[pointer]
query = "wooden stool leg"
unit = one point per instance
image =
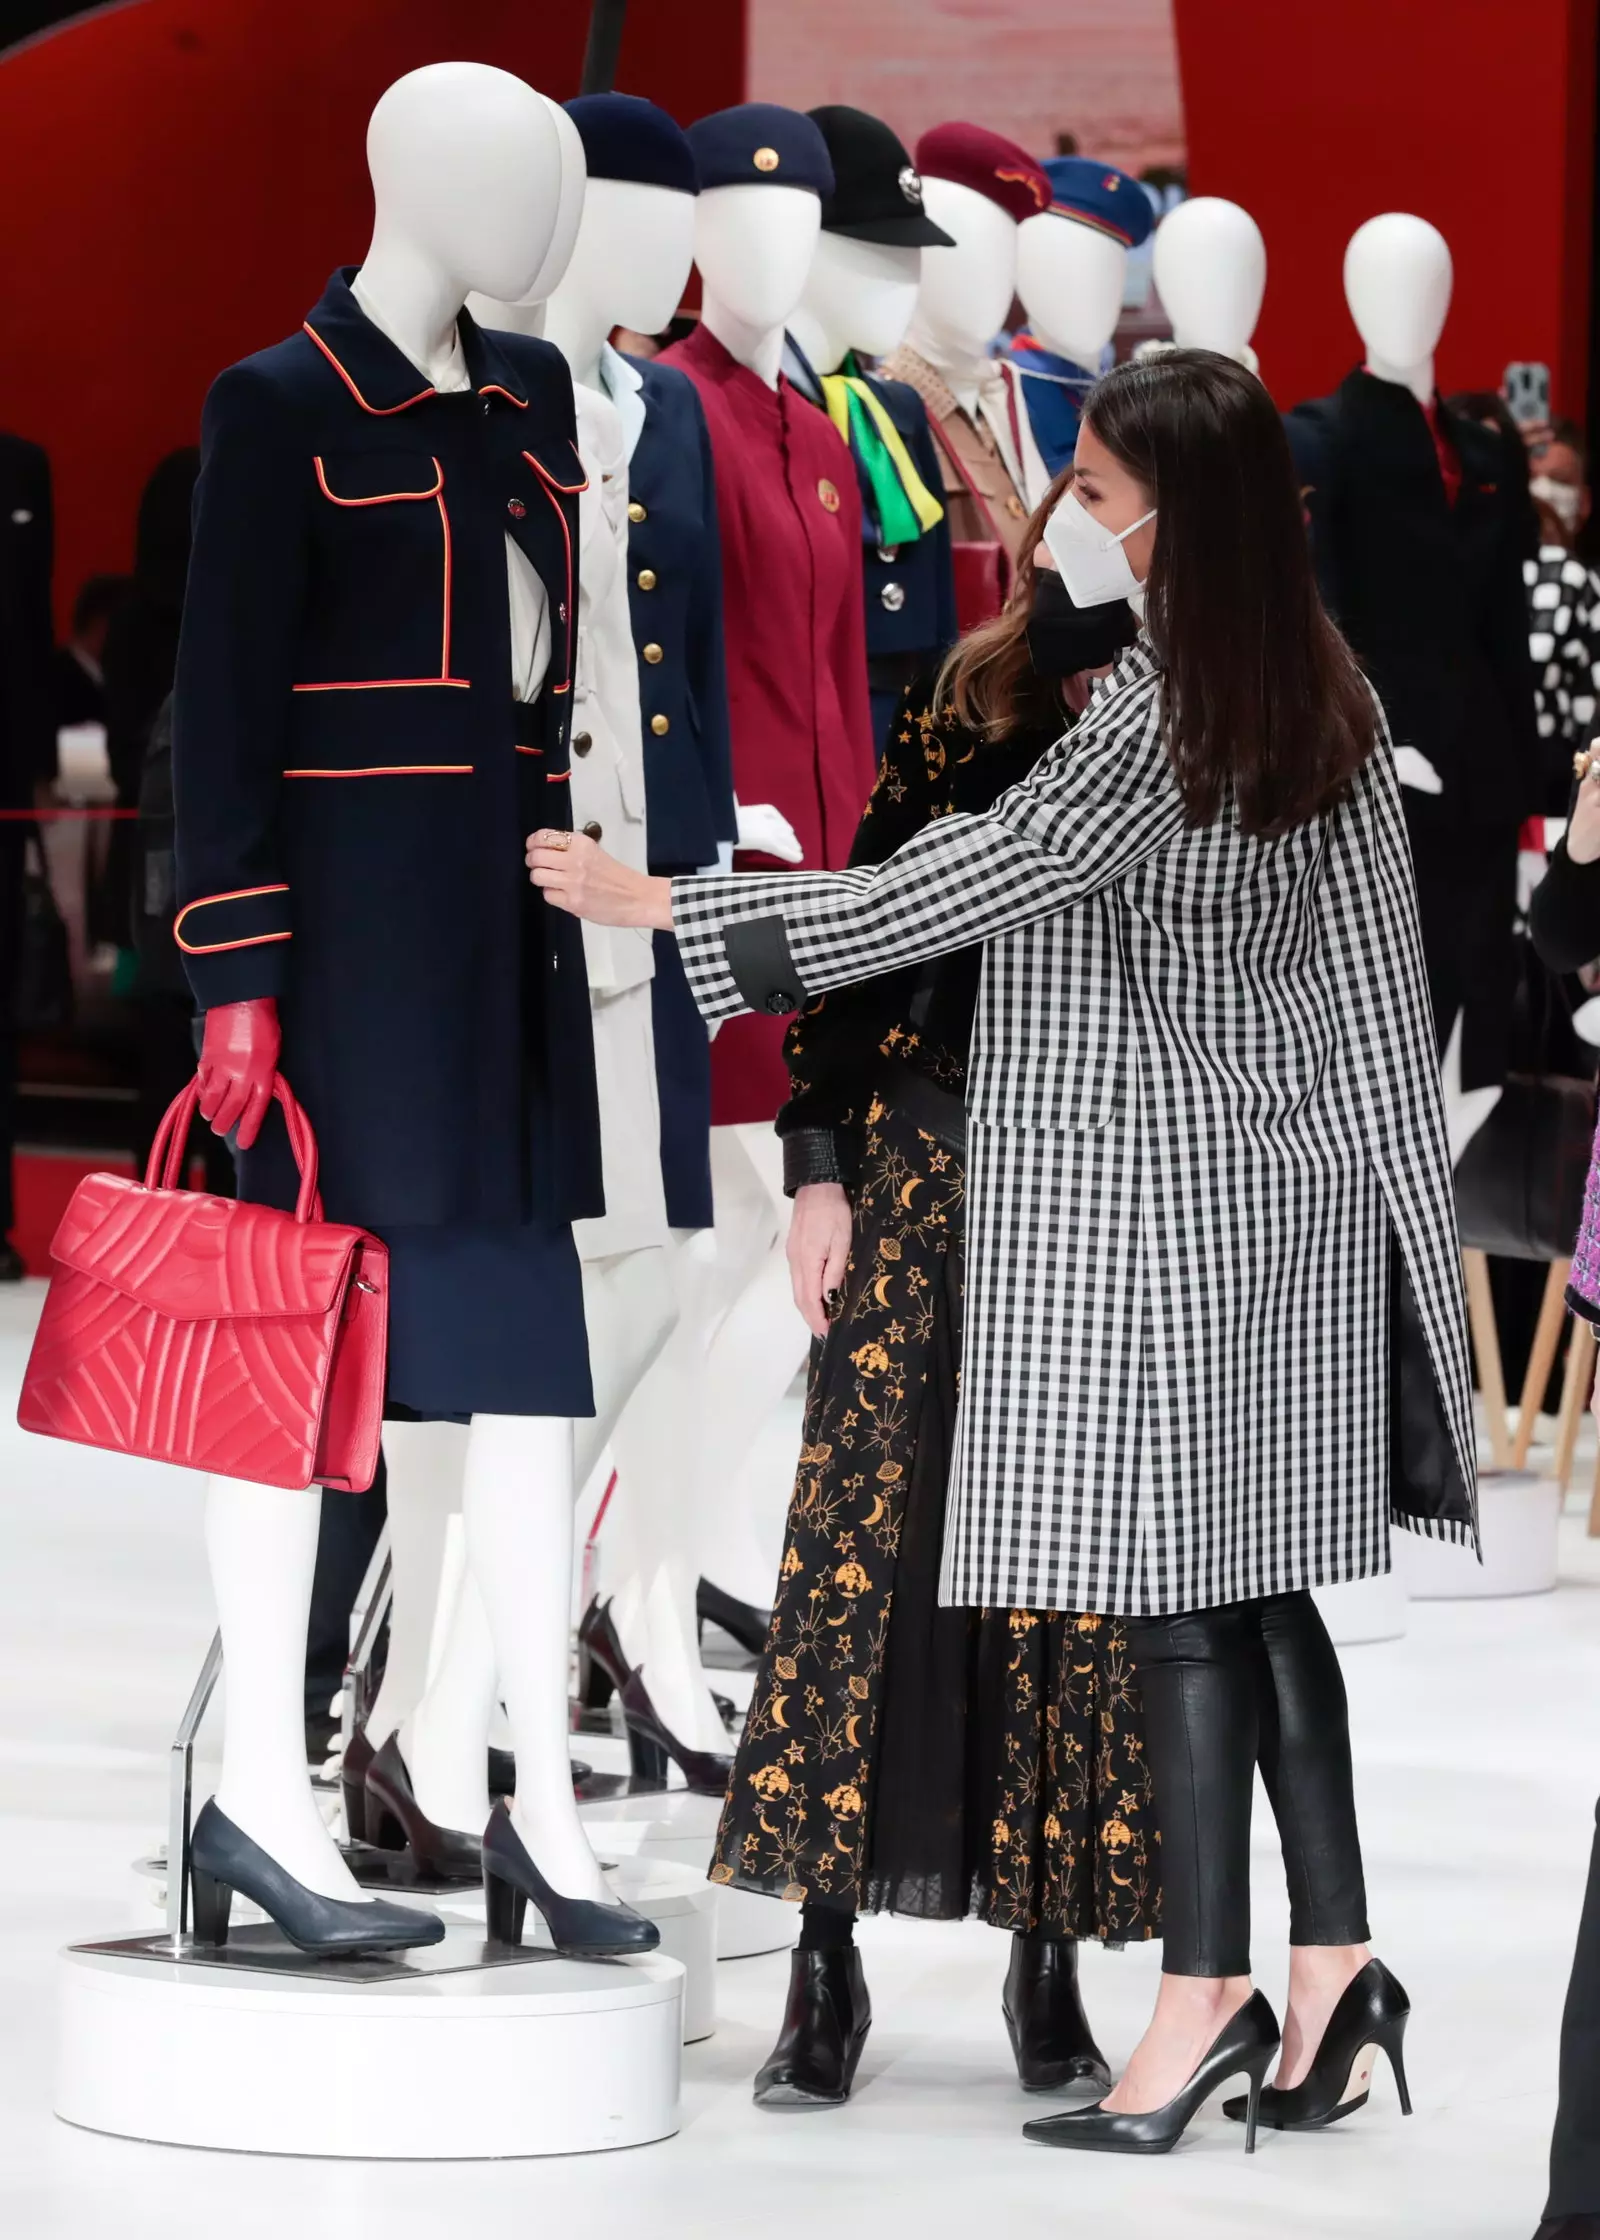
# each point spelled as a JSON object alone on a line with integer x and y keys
{"x": 1574, "y": 1397}
{"x": 1546, "y": 1340}
{"x": 1594, "y": 1501}
{"x": 1486, "y": 1348}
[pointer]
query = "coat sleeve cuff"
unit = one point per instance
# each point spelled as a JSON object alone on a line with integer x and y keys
{"x": 234, "y": 945}
{"x": 817, "y": 1155}
{"x": 733, "y": 964}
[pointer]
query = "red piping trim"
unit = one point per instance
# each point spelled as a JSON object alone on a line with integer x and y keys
{"x": 444, "y": 524}
{"x": 496, "y": 389}
{"x": 216, "y": 948}
{"x": 567, "y": 489}
{"x": 557, "y": 777}
{"x": 384, "y": 684}
{"x": 385, "y": 497}
{"x": 549, "y": 485}
{"x": 237, "y": 894}
{"x": 393, "y": 770}
{"x": 530, "y": 750}
{"x": 378, "y": 411}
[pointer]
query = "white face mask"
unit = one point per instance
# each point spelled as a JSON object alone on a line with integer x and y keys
{"x": 1093, "y": 564}
{"x": 1563, "y": 498}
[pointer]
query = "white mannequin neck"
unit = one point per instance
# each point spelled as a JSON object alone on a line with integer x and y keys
{"x": 860, "y": 296}
{"x": 628, "y": 268}
{"x": 1398, "y": 278}
{"x": 754, "y": 247}
{"x": 579, "y": 329}
{"x": 966, "y": 290}
{"x": 411, "y": 298}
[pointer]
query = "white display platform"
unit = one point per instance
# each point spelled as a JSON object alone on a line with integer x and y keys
{"x": 681, "y": 1903}
{"x": 1365, "y": 1610}
{"x": 1521, "y": 1519}
{"x": 552, "y": 2056}
{"x": 678, "y": 1826}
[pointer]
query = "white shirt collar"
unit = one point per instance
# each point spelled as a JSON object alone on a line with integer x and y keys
{"x": 624, "y": 385}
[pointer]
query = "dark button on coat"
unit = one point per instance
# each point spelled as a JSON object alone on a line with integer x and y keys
{"x": 354, "y": 784}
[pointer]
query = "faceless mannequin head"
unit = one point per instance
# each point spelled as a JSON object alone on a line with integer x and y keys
{"x": 1070, "y": 279}
{"x": 467, "y": 171}
{"x": 527, "y": 315}
{"x": 859, "y": 296}
{"x": 966, "y": 290}
{"x": 1210, "y": 268}
{"x": 754, "y": 247}
{"x": 1397, "y": 282}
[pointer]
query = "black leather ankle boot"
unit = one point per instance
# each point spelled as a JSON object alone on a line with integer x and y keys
{"x": 825, "y": 2025}
{"x": 1049, "y": 2030}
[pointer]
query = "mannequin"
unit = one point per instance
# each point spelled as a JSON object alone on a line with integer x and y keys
{"x": 1210, "y": 267}
{"x": 978, "y": 189}
{"x": 1419, "y": 525}
{"x": 1072, "y": 268}
{"x": 790, "y": 523}
{"x": 860, "y": 295}
{"x": 456, "y": 1011}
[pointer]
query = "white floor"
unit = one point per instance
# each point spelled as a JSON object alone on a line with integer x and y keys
{"x": 1478, "y": 1760}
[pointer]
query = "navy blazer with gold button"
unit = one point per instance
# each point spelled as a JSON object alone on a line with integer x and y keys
{"x": 354, "y": 785}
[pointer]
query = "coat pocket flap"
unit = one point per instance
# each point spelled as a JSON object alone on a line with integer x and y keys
{"x": 378, "y": 478}
{"x": 192, "y": 1258}
{"x": 556, "y": 462}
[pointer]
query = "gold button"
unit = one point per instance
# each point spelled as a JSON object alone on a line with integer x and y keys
{"x": 652, "y": 654}
{"x": 828, "y": 494}
{"x": 581, "y": 742}
{"x": 661, "y": 725}
{"x": 636, "y": 511}
{"x": 765, "y": 159}
{"x": 594, "y": 830}
{"x": 647, "y": 579}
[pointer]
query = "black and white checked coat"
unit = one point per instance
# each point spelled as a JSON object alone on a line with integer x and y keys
{"x": 1204, "y": 1104}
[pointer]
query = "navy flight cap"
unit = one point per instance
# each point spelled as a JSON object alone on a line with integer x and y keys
{"x": 626, "y": 138}
{"x": 1100, "y": 196}
{"x": 759, "y": 144}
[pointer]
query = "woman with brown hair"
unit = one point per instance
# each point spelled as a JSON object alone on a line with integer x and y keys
{"x": 1210, "y": 1213}
{"x": 897, "y": 1756}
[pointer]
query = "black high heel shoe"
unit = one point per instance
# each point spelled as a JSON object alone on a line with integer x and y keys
{"x": 748, "y": 1625}
{"x": 651, "y": 1744}
{"x": 579, "y": 1927}
{"x": 1045, "y": 2021}
{"x": 222, "y": 1859}
{"x": 1370, "y": 2019}
{"x": 1249, "y": 2043}
{"x": 825, "y": 2025}
{"x": 396, "y": 1822}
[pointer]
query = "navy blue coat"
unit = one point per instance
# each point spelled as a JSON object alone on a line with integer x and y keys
{"x": 683, "y": 683}
{"x": 353, "y": 784}
{"x": 910, "y": 588}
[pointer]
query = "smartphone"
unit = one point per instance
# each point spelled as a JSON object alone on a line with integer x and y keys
{"x": 1527, "y": 390}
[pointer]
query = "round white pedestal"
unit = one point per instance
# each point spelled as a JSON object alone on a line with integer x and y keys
{"x": 1521, "y": 1520}
{"x": 1365, "y": 1609}
{"x": 680, "y": 1902}
{"x": 681, "y": 1827}
{"x": 552, "y": 2057}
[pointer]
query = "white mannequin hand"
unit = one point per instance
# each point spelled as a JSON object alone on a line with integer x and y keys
{"x": 819, "y": 1248}
{"x": 766, "y": 831}
{"x": 1415, "y": 770}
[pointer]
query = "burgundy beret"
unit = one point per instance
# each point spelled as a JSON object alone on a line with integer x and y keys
{"x": 989, "y": 165}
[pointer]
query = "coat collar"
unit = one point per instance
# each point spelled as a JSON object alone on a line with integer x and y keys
{"x": 381, "y": 377}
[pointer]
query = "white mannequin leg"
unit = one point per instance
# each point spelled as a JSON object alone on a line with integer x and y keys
{"x": 445, "y": 1742}
{"x": 630, "y": 1307}
{"x": 262, "y": 1546}
{"x": 426, "y": 1461}
{"x": 518, "y": 1508}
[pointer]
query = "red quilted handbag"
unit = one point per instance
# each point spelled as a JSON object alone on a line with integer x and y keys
{"x": 228, "y": 1338}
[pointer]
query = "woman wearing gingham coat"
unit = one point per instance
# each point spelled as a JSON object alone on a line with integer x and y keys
{"x": 1214, "y": 1329}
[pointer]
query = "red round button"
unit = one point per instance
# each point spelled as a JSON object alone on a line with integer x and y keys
{"x": 516, "y": 508}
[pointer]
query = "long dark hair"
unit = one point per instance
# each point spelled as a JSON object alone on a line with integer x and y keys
{"x": 989, "y": 680}
{"x": 1266, "y": 707}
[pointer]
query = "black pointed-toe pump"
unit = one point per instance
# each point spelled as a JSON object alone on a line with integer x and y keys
{"x": 223, "y": 1859}
{"x": 1370, "y": 2019}
{"x": 1246, "y": 2046}
{"x": 581, "y": 1928}
{"x": 825, "y": 2025}
{"x": 651, "y": 1744}
{"x": 1045, "y": 2021}
{"x": 395, "y": 1822}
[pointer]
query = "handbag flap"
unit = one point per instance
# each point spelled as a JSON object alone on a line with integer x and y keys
{"x": 193, "y": 1258}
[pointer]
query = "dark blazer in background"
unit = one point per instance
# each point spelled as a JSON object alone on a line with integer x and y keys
{"x": 1430, "y": 595}
{"x": 27, "y": 727}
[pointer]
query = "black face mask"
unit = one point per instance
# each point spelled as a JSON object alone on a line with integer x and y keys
{"x": 1063, "y": 638}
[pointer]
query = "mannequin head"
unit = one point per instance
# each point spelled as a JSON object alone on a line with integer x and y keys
{"x": 754, "y": 247}
{"x": 467, "y": 175}
{"x": 635, "y": 239}
{"x": 966, "y": 290}
{"x": 527, "y": 314}
{"x": 859, "y": 295}
{"x": 1397, "y": 282}
{"x": 1070, "y": 280}
{"x": 1210, "y": 269}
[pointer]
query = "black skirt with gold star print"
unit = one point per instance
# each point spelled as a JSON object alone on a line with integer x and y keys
{"x": 899, "y": 1756}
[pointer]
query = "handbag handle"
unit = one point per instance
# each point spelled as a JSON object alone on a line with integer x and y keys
{"x": 164, "y": 1168}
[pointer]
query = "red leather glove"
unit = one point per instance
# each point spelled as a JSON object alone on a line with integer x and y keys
{"x": 238, "y": 1066}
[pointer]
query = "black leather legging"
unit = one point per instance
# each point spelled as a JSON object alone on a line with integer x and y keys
{"x": 1225, "y": 1690}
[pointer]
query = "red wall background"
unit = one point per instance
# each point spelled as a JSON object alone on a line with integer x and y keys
{"x": 1473, "y": 114}
{"x": 179, "y": 177}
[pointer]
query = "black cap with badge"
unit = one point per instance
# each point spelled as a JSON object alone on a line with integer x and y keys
{"x": 877, "y": 195}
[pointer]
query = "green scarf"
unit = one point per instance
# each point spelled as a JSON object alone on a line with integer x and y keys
{"x": 905, "y": 507}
